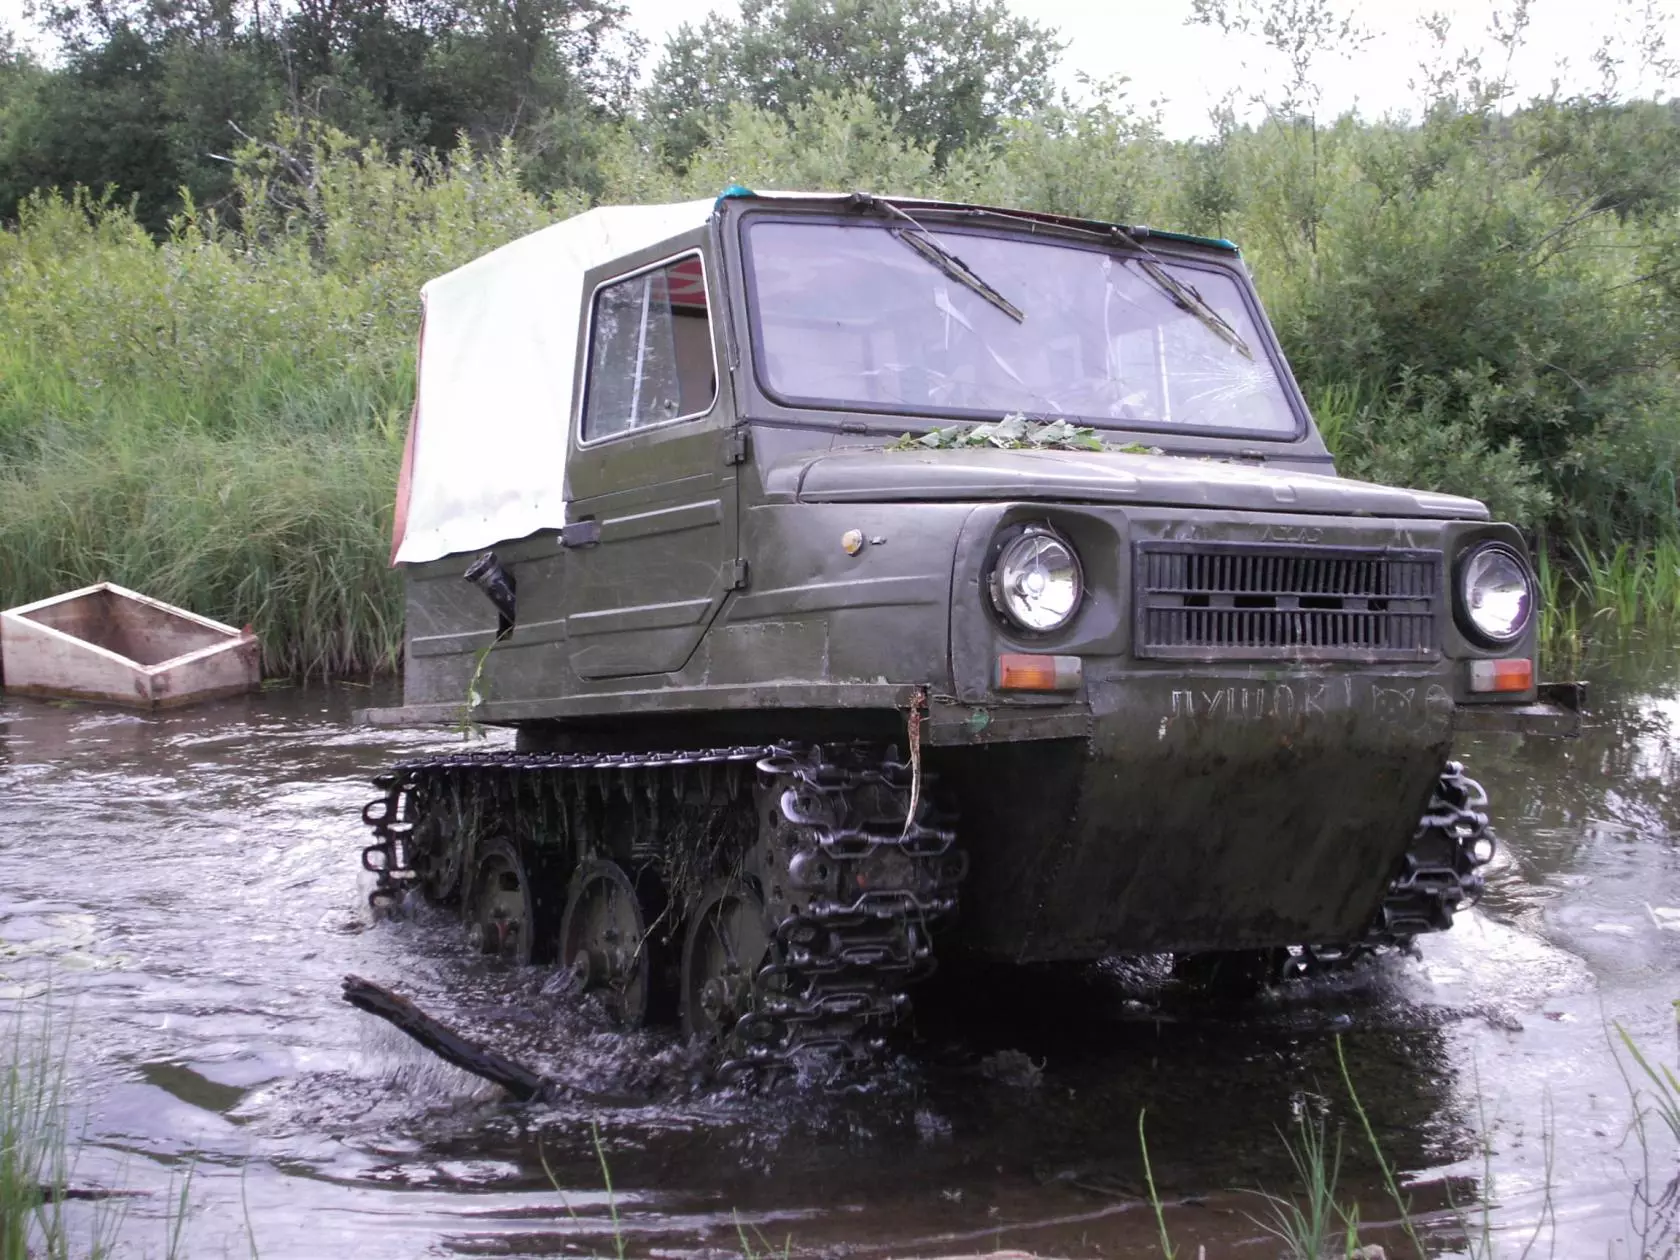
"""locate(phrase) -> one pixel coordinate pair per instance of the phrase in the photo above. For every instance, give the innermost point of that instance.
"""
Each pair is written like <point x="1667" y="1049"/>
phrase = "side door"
<point x="651" y="485"/>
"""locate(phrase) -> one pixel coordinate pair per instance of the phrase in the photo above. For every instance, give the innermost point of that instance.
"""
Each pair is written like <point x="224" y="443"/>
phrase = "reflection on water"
<point x="184" y="892"/>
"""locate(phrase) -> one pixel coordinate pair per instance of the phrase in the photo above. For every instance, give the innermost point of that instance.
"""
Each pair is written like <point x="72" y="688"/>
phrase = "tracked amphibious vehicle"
<point x="814" y="677"/>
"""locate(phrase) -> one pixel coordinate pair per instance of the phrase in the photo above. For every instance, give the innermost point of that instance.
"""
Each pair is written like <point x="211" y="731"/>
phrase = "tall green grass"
<point x="217" y="418"/>
<point x="1588" y="595"/>
<point x="287" y="532"/>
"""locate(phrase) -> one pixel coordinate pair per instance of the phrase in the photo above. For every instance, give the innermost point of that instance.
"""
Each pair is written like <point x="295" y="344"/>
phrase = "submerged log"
<point x="524" y="1084"/>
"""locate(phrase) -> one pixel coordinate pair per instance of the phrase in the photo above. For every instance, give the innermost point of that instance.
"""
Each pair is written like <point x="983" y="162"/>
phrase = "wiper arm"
<point x="921" y="240"/>
<point x="1185" y="297"/>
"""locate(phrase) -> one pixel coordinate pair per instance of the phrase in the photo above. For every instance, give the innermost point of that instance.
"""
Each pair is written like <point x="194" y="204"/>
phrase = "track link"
<point x="850" y="860"/>
<point x="1440" y="874"/>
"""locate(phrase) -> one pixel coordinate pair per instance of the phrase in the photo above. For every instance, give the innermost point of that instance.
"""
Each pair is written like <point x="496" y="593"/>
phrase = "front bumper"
<point x="1201" y="808"/>
<point x="1554" y="713"/>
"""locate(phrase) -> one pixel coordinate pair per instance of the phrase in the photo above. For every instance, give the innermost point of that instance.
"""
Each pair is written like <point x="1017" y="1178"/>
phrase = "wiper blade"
<point x="1185" y="297"/>
<point x="921" y="240"/>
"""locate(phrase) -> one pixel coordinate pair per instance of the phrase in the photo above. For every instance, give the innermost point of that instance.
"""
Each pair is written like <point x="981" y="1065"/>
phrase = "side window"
<point x="650" y="350"/>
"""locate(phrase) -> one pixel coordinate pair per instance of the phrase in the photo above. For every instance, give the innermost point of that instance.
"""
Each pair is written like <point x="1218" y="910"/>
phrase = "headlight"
<point x="1036" y="582"/>
<point x="1496" y="596"/>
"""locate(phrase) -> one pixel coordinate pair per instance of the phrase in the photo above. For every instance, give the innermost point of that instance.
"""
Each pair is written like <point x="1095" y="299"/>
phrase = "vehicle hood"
<point x="873" y="475"/>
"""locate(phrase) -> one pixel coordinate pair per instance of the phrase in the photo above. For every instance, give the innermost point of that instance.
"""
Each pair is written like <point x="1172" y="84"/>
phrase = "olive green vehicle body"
<point x="764" y="573"/>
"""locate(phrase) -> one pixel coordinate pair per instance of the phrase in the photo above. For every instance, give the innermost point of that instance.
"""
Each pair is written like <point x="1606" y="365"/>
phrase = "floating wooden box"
<point x="107" y="643"/>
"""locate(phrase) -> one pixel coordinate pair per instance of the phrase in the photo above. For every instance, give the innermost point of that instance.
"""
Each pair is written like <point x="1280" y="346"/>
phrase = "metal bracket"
<point x="737" y="450"/>
<point x="580" y="533"/>
<point x="1556" y="713"/>
<point x="735" y="575"/>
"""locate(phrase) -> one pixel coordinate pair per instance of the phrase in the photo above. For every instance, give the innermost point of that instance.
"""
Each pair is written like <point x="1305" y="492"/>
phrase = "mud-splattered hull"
<point x="1222" y="809"/>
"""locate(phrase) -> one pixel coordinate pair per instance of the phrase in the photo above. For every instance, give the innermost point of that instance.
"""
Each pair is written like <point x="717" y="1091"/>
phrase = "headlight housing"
<point x="1495" y="594"/>
<point x="1036" y="582"/>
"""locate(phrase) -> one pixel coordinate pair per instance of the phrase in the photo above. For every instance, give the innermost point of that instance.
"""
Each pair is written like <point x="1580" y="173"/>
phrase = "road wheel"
<point x="1229" y="975"/>
<point x="606" y="943"/>
<point x="727" y="944"/>
<point x="439" y="850"/>
<point x="501" y="916"/>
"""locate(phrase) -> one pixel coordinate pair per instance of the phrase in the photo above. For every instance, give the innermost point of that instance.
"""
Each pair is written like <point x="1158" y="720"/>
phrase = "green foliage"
<point x="840" y="142"/>
<point x="154" y="94"/>
<point x="947" y="71"/>
<point x="1412" y="436"/>
<point x="1104" y="160"/>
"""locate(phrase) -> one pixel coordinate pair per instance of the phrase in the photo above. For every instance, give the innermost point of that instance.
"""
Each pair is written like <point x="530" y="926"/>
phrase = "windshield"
<point x="845" y="316"/>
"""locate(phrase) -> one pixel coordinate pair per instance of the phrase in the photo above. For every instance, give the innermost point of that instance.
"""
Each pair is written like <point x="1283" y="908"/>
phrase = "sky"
<point x="1187" y="69"/>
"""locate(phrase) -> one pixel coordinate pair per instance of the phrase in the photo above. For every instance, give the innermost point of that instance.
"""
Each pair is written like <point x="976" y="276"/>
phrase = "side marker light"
<point x="1017" y="671"/>
<point x="1507" y="675"/>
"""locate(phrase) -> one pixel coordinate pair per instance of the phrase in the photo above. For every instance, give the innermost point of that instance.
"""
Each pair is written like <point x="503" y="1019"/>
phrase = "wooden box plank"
<point x="108" y="643"/>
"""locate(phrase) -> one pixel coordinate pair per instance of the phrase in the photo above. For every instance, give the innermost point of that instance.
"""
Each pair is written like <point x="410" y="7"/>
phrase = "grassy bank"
<point x="217" y="419"/>
<point x="286" y="532"/>
<point x="216" y="416"/>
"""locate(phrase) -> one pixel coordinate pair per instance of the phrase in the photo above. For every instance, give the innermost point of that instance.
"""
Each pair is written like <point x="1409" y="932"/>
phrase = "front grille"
<point x="1261" y="601"/>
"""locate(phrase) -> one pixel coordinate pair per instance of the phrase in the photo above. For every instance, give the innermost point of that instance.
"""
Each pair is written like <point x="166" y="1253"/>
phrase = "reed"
<point x="282" y="531"/>
<point x="1591" y="596"/>
<point x="37" y="1153"/>
<point x="1311" y="1224"/>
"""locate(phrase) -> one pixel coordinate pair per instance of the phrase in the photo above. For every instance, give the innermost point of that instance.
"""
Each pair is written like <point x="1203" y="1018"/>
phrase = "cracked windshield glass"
<point x="845" y="316"/>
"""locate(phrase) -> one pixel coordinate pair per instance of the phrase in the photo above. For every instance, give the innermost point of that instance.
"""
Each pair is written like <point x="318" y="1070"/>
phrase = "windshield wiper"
<point x="921" y="240"/>
<point x="1185" y="297"/>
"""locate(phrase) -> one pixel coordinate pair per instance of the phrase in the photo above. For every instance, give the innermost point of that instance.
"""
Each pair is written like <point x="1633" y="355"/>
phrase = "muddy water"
<point x="182" y="894"/>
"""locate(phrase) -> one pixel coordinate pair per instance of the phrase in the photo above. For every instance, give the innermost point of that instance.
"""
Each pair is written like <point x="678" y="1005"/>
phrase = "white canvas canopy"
<point x="486" y="456"/>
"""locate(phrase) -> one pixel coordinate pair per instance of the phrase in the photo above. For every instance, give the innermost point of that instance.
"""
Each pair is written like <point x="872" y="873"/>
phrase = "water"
<point x="183" y="894"/>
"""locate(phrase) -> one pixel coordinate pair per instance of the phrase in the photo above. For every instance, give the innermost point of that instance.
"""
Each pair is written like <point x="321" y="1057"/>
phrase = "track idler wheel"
<point x="501" y="914"/>
<point x="606" y="942"/>
<point x="439" y="853"/>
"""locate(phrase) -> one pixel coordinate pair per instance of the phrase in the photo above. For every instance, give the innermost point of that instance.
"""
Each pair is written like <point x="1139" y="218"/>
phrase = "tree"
<point x="93" y="124"/>
<point x="948" y="71"/>
<point x="153" y="94"/>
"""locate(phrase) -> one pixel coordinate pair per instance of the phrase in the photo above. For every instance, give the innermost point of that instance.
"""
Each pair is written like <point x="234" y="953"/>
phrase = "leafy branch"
<point x="1016" y="433"/>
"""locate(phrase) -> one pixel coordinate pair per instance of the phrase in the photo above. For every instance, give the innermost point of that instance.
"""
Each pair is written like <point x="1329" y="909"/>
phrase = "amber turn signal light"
<point x="1509" y="675"/>
<point x="1016" y="671"/>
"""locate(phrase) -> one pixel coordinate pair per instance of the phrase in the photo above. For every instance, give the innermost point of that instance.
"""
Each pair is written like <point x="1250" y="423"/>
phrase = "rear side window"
<point x="650" y="350"/>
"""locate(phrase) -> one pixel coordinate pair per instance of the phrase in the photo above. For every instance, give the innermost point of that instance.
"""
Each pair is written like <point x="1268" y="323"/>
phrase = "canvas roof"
<point x="486" y="459"/>
<point x="486" y="454"/>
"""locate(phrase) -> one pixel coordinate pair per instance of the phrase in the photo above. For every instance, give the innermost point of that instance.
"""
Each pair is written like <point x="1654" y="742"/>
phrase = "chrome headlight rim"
<point x="1008" y="541"/>
<point x="1461" y="595"/>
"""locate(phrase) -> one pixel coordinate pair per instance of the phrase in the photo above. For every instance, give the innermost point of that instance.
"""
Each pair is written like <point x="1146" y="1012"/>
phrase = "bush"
<point x="1480" y="303"/>
<point x="1411" y="437"/>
